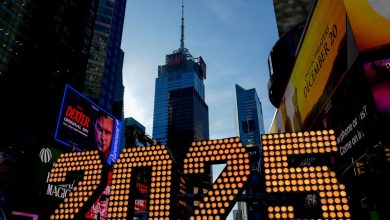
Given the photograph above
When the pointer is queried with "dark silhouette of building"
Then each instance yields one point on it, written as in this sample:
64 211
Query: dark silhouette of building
105 60
45 45
135 134
290 13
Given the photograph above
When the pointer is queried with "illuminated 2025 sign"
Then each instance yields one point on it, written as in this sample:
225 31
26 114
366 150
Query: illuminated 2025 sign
218 202
280 177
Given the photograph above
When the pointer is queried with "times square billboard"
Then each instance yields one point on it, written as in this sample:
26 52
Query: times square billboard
349 92
83 125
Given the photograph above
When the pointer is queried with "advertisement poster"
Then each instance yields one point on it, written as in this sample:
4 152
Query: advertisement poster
83 125
370 20
351 114
378 74
99 209
140 205
315 61
142 188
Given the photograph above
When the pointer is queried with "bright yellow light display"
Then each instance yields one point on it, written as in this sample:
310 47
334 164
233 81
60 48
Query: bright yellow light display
280 212
156 157
90 163
282 178
218 202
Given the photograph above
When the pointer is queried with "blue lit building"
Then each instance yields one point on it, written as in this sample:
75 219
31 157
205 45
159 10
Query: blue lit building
250 124
180 111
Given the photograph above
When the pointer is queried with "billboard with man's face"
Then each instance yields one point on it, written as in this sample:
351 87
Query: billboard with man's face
83 125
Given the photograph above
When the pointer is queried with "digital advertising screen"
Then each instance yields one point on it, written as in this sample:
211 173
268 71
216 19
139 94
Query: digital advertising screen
370 20
321 45
378 74
83 125
351 114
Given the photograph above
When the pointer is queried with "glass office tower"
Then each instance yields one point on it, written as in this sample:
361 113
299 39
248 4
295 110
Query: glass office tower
250 126
249 113
180 111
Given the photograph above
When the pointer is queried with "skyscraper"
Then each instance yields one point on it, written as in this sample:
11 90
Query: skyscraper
290 13
105 54
135 134
249 115
45 45
180 111
250 126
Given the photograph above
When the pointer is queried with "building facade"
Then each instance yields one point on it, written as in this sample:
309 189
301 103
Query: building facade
46 45
249 127
249 115
105 54
290 13
180 111
135 134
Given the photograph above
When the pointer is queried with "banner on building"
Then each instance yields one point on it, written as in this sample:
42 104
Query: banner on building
370 21
83 125
316 57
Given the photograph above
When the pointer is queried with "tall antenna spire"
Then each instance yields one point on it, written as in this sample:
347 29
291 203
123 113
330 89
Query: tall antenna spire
182 27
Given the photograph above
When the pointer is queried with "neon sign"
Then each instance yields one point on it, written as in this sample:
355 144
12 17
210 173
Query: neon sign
280 177
217 202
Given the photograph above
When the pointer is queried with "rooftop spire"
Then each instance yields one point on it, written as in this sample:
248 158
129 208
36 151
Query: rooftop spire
182 27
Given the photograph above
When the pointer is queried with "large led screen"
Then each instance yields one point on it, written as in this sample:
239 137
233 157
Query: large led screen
316 58
370 21
378 74
83 125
